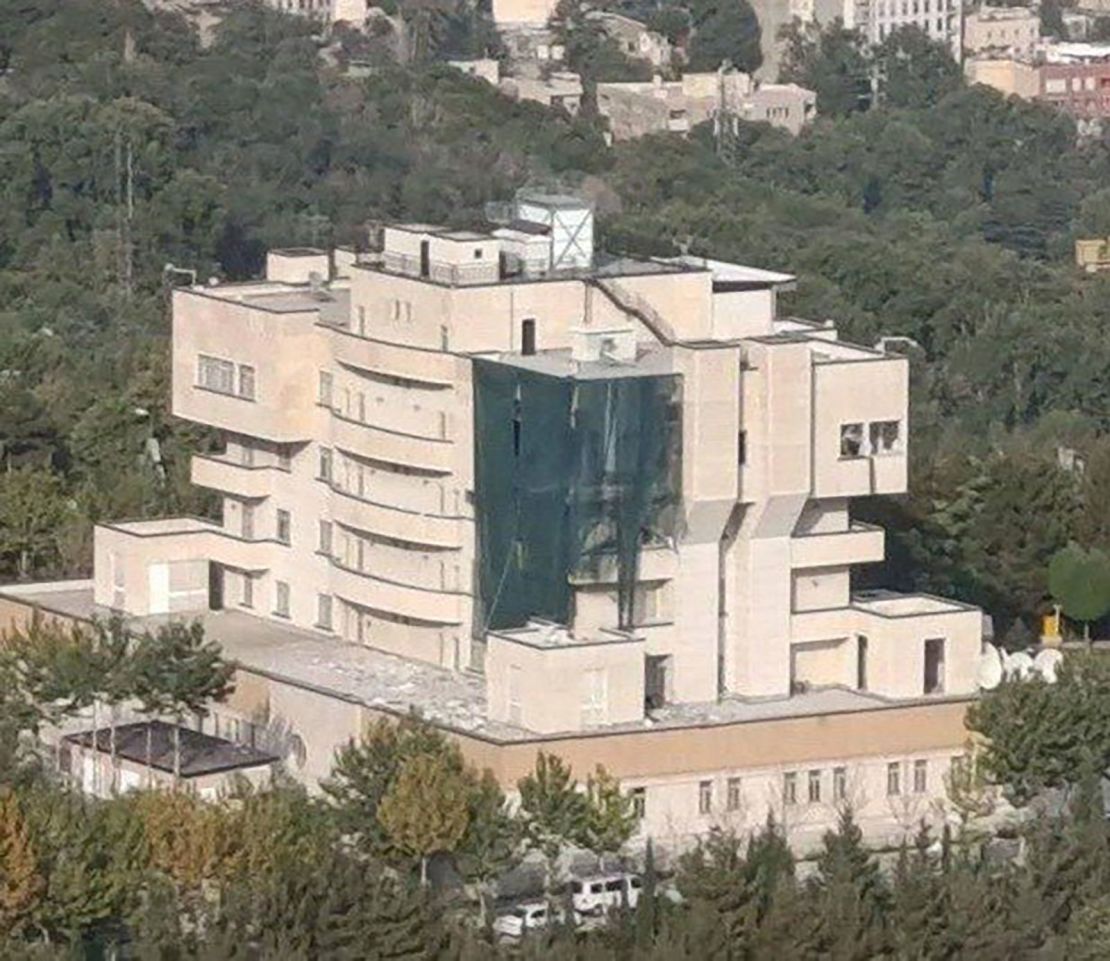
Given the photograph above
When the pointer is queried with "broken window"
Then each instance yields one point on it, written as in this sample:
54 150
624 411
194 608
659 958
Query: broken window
886 437
851 440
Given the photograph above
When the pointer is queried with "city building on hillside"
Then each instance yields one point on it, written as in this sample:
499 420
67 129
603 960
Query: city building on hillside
562 88
1093 254
486 69
1075 78
1014 30
941 20
1010 75
637 109
635 39
554 499
522 13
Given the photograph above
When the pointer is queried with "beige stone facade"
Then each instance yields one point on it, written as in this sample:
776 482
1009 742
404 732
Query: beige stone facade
1001 30
344 574
636 109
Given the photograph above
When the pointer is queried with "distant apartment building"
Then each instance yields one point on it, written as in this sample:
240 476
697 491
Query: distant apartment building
1009 75
658 106
1015 30
554 499
1093 254
941 20
634 38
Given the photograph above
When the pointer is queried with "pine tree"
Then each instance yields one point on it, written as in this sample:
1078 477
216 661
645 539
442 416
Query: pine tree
21 884
611 819
647 910
917 918
425 809
554 812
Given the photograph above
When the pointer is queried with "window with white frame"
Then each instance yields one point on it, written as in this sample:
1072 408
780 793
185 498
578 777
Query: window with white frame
893 779
325 389
920 776
215 374
814 787
282 526
325 464
325 538
594 697
840 784
281 598
246 382
323 611
638 796
733 796
790 787
246 598
705 797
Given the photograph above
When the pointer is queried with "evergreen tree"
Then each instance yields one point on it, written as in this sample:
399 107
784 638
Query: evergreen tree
21 884
554 812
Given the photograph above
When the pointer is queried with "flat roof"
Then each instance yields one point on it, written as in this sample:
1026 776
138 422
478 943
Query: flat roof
201 753
650 362
455 700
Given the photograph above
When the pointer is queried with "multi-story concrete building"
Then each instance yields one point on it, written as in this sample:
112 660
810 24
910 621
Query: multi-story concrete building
1015 30
941 20
554 500
636 109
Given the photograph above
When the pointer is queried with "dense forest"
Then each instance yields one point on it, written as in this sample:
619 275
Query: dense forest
924 209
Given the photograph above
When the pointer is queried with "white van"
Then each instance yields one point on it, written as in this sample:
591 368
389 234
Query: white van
602 892
525 917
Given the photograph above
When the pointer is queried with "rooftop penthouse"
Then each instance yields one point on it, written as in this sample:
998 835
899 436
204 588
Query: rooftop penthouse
544 495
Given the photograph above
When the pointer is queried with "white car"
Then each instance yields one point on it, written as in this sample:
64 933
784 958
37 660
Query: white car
602 892
524 917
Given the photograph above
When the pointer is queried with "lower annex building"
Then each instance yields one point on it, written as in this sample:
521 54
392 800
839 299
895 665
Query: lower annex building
554 500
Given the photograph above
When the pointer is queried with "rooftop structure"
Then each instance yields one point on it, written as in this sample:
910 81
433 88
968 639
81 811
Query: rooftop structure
555 500
634 38
563 88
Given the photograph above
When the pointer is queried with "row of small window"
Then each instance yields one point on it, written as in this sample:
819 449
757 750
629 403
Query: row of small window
282 525
908 8
282 601
225 377
881 437
814 787
884 29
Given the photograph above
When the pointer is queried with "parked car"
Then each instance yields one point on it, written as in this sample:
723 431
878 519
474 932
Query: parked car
524 917
602 892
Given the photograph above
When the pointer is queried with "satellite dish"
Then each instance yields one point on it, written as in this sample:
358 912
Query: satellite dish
1018 664
989 674
1046 664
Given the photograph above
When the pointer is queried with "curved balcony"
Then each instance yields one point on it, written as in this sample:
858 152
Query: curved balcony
231 478
401 600
431 367
436 532
379 443
415 565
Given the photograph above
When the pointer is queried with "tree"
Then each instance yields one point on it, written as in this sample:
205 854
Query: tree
1079 580
554 812
833 63
177 669
492 840
33 510
611 818
1039 735
724 30
914 70
425 809
21 885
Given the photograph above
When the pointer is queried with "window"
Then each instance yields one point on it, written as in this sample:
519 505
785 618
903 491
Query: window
742 448
325 538
893 779
861 663
246 599
594 696
215 374
840 784
282 526
705 797
246 382
325 464
814 787
513 694
733 798
246 455
790 788
326 388
246 520
885 437
920 776
362 321
528 337
851 440
639 801
323 611
934 666
477 253
281 599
